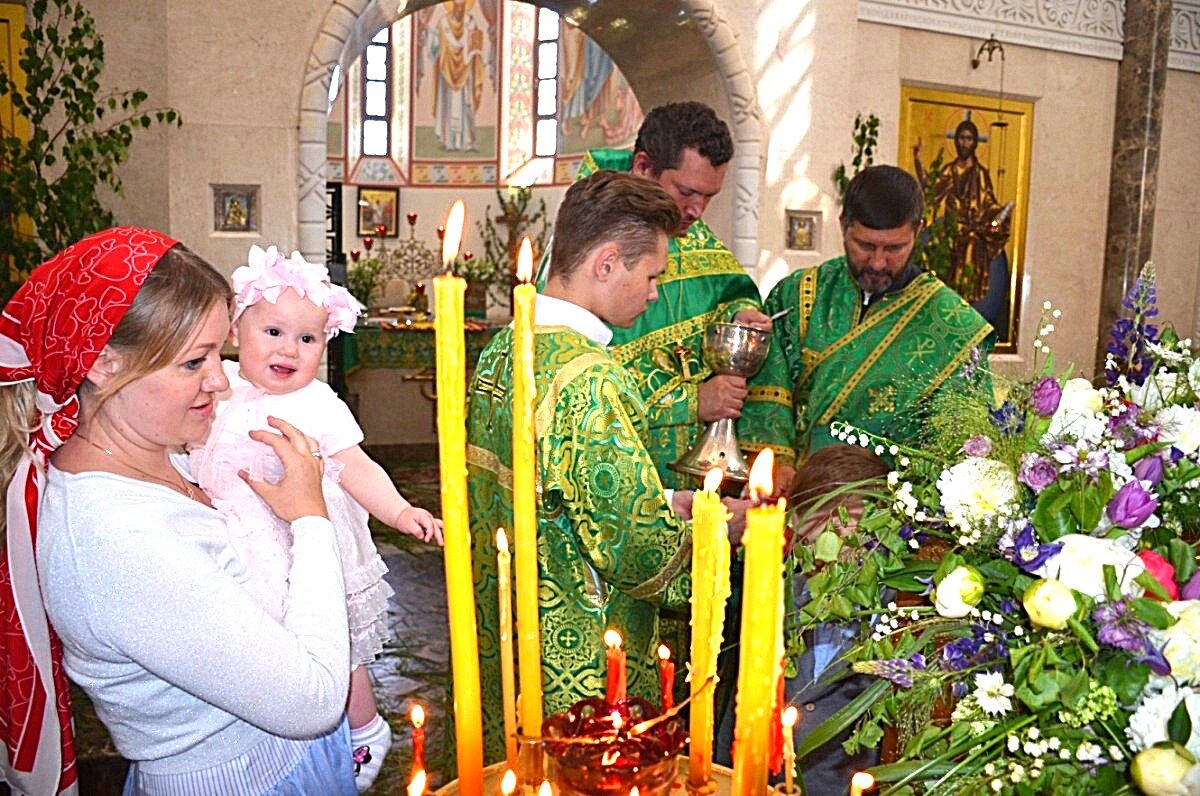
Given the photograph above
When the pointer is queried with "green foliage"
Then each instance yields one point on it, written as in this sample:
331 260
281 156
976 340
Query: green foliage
498 263
362 279
78 136
866 138
938 232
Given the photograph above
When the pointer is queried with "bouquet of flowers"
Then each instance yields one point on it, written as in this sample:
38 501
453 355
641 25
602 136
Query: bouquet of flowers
1040 629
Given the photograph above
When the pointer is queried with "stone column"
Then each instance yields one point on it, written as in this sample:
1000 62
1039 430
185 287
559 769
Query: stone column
1137 134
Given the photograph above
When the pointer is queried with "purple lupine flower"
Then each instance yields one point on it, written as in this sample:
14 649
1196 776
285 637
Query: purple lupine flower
1027 554
1045 396
898 670
977 446
1130 336
1037 472
1149 468
1008 418
1191 589
987 642
1119 627
1131 506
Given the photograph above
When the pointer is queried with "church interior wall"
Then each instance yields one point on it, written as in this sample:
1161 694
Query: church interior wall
236 77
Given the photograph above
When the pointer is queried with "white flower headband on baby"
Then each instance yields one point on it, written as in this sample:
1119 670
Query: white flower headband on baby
267 274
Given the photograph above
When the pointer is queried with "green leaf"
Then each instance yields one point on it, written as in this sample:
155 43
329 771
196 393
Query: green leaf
1183 558
1152 613
836 724
1052 516
1112 587
1151 584
828 546
1124 676
1179 726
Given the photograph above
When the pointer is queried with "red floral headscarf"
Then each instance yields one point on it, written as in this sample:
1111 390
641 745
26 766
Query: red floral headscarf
50 333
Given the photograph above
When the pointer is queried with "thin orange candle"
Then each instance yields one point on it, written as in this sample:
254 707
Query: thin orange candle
666 678
417 786
789 719
508 687
508 783
451 358
860 783
417 714
614 690
524 467
710 590
761 618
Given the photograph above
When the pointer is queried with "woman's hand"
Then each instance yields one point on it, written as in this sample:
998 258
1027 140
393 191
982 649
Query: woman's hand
298 493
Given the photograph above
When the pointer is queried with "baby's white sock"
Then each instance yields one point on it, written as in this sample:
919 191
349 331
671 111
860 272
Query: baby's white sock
369 744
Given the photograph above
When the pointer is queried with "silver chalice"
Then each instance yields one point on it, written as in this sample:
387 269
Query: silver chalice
735 350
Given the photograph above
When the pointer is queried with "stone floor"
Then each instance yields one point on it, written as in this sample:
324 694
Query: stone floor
414 666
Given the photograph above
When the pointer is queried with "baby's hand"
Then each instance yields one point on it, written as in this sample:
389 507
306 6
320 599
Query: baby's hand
420 523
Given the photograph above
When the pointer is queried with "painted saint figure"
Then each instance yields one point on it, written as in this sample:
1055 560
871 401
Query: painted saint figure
456 45
964 191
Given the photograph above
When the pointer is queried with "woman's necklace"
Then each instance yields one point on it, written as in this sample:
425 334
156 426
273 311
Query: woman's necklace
183 486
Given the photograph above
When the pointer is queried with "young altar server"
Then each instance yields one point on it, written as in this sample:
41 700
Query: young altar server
285 312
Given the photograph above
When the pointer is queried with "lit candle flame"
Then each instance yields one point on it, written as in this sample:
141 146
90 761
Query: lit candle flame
525 260
544 790
617 721
634 791
761 485
663 652
612 638
454 229
501 540
417 786
712 479
860 782
418 715
609 757
790 717
508 784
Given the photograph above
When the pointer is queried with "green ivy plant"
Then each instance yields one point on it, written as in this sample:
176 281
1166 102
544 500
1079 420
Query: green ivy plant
866 139
78 136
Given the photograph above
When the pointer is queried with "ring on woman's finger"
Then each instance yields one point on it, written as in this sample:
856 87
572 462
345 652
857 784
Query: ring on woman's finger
315 454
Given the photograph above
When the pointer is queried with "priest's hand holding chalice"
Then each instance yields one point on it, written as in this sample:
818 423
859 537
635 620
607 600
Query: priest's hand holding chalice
736 349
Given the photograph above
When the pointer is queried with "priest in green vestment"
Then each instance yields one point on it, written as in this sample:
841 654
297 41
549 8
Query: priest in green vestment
868 337
686 149
612 547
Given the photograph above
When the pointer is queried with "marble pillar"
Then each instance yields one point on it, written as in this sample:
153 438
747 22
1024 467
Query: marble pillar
1133 179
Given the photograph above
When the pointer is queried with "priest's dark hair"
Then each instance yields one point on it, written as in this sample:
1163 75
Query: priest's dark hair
883 197
669 129
610 206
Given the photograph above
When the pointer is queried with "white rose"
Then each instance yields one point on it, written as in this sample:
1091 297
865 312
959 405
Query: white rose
1180 427
959 592
1161 771
1049 603
1080 565
1156 392
1079 396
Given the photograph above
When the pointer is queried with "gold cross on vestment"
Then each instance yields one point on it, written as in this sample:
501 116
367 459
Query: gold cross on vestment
683 353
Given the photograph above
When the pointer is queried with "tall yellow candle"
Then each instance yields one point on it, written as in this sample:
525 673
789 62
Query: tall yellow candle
450 337
790 717
508 687
710 590
761 618
524 467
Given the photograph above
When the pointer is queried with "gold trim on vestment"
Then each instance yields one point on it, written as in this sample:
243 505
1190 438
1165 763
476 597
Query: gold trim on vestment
916 305
484 459
656 584
769 393
979 337
544 416
624 354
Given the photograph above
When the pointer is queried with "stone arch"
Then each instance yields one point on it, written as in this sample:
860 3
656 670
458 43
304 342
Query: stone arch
348 23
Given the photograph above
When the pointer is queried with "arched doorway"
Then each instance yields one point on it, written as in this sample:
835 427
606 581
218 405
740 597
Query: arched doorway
701 43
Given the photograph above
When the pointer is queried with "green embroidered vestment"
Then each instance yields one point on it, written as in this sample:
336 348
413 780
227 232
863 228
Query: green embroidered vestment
702 284
610 550
871 368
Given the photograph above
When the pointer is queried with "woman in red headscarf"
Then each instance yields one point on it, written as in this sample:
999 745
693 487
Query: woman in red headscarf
108 368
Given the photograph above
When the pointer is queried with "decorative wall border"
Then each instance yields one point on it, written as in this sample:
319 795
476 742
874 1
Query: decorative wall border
1082 27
